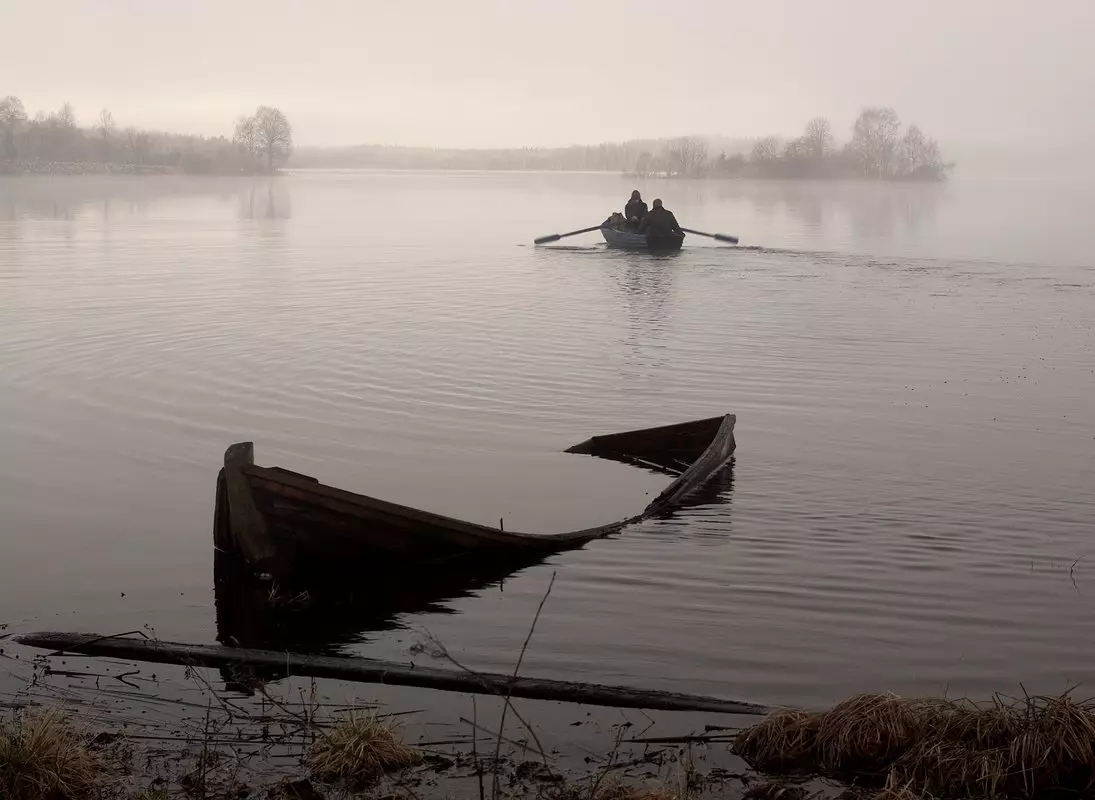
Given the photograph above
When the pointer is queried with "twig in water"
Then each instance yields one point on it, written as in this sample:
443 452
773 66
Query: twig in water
474 747
509 691
440 651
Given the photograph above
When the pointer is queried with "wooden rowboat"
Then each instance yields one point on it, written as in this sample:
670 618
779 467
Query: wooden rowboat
630 240
277 519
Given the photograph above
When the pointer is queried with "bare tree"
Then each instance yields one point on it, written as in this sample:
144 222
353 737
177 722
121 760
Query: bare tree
106 128
644 164
137 142
766 150
688 156
874 141
246 137
12 115
273 135
818 140
65 118
918 156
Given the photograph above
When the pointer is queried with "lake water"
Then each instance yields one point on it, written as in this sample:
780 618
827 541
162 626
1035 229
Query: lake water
913 370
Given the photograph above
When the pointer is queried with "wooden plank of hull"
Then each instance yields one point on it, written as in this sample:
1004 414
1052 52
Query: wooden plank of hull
636 241
703 445
248 526
337 522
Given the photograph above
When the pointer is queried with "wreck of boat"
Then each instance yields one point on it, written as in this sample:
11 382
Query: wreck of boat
275 518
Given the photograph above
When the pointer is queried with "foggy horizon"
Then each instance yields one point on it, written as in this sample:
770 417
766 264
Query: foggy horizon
490 75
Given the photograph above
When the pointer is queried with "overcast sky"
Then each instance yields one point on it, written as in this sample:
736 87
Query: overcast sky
510 72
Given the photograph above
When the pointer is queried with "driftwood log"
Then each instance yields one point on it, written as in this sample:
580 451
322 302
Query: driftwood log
367 670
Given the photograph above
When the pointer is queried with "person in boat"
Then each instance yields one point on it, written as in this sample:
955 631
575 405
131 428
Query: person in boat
635 209
660 224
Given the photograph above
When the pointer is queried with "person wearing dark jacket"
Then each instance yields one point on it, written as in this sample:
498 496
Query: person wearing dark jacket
635 209
660 223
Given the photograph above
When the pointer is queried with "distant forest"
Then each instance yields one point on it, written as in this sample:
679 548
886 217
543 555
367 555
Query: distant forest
57 142
878 149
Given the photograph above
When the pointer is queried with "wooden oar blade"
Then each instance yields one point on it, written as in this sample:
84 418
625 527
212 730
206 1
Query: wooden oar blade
719 237
557 236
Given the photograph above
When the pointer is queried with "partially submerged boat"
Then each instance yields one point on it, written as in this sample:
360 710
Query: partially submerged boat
632 240
276 519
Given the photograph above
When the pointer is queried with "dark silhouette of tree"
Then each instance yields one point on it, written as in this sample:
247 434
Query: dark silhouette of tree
246 137
273 135
875 137
106 129
766 150
12 115
918 156
818 139
644 164
687 156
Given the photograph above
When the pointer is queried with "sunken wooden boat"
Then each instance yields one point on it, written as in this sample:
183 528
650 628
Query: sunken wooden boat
631 240
275 518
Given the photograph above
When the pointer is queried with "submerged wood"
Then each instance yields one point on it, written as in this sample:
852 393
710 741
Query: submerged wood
277 519
367 670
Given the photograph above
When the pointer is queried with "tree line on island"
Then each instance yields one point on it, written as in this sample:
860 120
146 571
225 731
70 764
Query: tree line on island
877 150
57 142
880 148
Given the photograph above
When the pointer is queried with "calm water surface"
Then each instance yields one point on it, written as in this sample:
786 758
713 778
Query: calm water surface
913 370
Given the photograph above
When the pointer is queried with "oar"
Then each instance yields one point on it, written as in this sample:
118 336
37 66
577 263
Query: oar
557 236
722 237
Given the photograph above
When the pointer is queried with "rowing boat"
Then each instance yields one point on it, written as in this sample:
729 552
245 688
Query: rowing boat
630 240
277 519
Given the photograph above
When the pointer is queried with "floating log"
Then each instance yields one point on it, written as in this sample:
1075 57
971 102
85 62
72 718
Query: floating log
367 670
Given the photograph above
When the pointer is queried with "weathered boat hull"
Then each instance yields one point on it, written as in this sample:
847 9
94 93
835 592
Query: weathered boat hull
277 519
630 240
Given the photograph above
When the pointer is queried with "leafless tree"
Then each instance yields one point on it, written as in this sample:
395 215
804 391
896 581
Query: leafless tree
65 118
688 156
274 135
818 140
918 156
137 141
106 128
12 115
246 136
766 150
875 140
644 164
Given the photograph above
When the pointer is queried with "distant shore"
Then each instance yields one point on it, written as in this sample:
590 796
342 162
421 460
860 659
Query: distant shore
81 168
74 168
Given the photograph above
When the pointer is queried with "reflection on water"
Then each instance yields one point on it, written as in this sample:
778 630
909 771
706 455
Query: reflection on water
116 198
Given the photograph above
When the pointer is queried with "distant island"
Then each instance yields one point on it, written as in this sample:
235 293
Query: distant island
55 143
879 149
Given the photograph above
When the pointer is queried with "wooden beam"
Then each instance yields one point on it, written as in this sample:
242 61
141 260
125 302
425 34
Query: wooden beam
248 528
367 670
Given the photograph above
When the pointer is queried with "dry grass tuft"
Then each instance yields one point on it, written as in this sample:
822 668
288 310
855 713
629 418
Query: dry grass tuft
610 789
784 742
941 748
869 729
43 755
359 749
773 790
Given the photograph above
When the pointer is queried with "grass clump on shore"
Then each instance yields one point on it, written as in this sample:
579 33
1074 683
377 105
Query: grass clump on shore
43 755
944 748
359 749
611 789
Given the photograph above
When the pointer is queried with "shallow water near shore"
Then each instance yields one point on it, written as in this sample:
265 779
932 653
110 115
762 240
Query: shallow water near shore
912 502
